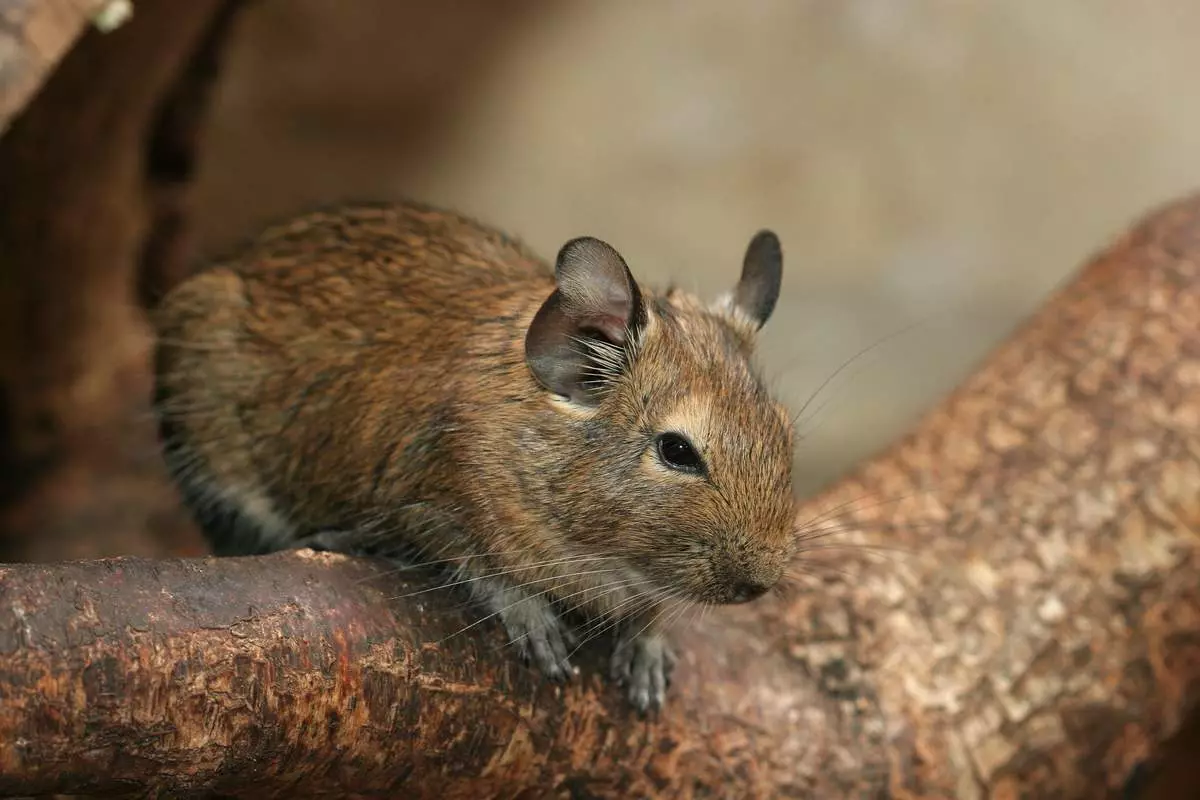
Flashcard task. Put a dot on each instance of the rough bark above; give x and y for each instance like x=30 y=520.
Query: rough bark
x=1038 y=634
x=93 y=179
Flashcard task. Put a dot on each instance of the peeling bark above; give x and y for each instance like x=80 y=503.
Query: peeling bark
x=1039 y=634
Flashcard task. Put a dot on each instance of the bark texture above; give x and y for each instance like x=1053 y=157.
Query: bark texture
x=1036 y=635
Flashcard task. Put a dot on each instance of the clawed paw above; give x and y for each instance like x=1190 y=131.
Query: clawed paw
x=643 y=665
x=541 y=639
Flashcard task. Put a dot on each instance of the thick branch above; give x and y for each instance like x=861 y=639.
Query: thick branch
x=1040 y=635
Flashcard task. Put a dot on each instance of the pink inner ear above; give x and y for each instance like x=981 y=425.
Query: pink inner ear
x=609 y=326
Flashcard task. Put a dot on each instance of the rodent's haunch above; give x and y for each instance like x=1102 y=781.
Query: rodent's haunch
x=402 y=380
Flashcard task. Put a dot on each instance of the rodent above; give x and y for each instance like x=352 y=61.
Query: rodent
x=387 y=377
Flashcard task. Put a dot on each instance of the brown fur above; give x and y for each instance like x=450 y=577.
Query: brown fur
x=364 y=370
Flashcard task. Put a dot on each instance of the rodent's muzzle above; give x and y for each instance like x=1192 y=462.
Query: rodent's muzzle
x=745 y=591
x=741 y=583
x=744 y=572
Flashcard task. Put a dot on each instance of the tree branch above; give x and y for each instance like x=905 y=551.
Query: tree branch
x=1039 y=635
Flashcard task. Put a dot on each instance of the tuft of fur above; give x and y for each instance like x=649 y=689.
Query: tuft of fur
x=358 y=379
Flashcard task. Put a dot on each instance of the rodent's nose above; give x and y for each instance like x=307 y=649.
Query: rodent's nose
x=745 y=591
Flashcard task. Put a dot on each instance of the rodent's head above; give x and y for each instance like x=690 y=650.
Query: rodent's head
x=685 y=455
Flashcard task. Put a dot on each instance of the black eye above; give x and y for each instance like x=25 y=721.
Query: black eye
x=678 y=453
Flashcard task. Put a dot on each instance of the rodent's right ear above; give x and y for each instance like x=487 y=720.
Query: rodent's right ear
x=762 y=272
x=575 y=345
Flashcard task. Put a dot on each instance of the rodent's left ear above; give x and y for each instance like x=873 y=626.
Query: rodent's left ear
x=762 y=273
x=575 y=343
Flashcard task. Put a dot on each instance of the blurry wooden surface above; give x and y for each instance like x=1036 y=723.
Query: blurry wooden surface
x=34 y=35
x=93 y=180
x=337 y=101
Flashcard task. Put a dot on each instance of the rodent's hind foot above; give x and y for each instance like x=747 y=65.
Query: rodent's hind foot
x=533 y=627
x=643 y=664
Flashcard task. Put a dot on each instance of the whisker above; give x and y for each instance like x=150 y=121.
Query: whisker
x=475 y=579
x=843 y=507
x=656 y=617
x=608 y=591
x=523 y=599
x=683 y=605
x=642 y=600
x=499 y=554
x=850 y=505
x=847 y=528
x=850 y=361
x=639 y=599
x=803 y=570
x=876 y=549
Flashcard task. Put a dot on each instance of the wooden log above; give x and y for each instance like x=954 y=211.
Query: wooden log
x=1038 y=637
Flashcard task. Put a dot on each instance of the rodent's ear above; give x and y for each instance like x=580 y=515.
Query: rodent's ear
x=762 y=273
x=575 y=344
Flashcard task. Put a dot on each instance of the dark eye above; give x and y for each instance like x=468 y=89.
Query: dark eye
x=678 y=453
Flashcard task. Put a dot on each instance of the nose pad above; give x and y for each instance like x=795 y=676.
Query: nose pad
x=745 y=591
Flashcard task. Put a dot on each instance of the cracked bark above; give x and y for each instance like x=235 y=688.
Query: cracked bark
x=1040 y=635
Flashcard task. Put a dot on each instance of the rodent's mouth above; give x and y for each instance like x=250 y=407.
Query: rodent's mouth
x=703 y=586
x=734 y=584
x=744 y=592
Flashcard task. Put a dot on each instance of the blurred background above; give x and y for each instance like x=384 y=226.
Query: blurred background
x=934 y=169
x=927 y=162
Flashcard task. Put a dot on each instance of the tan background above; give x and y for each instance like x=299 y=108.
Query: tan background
x=945 y=163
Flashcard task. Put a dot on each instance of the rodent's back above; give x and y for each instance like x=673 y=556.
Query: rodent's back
x=294 y=375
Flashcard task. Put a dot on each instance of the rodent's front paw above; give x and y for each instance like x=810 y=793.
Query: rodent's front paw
x=540 y=637
x=643 y=665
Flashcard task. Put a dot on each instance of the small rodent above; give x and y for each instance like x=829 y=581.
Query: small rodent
x=394 y=377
